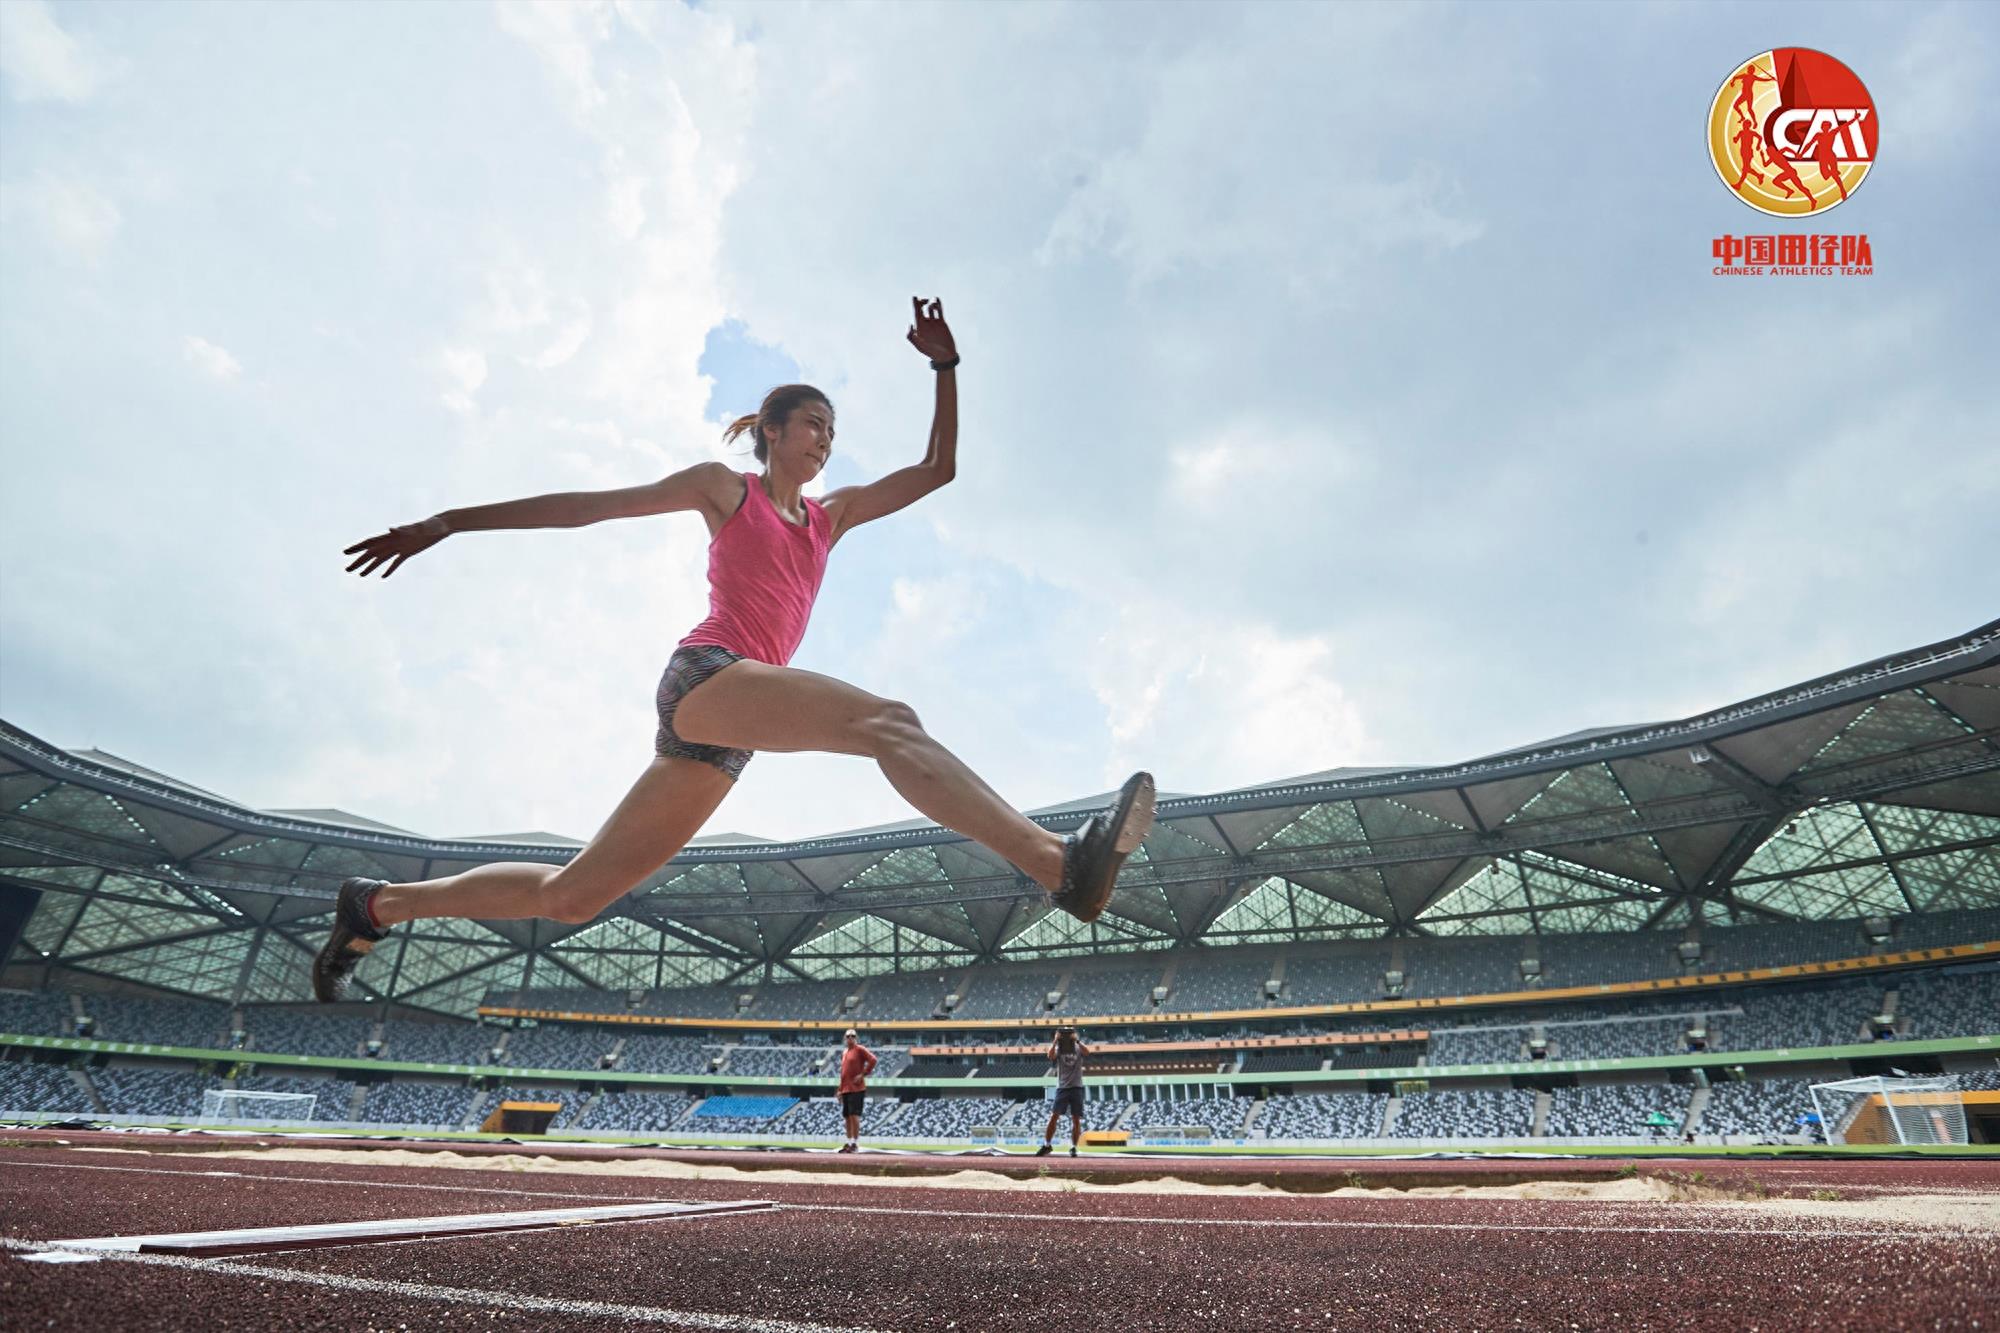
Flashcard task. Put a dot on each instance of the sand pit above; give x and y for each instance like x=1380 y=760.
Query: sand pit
x=1954 y=1211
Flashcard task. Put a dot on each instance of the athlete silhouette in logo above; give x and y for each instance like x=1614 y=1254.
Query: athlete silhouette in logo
x=1748 y=144
x=1746 y=84
x=1786 y=176
x=1820 y=149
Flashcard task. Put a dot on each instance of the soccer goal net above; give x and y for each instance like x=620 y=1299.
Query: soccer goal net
x=1891 y=1110
x=232 y=1106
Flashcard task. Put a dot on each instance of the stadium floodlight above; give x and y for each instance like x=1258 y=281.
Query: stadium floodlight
x=238 y=1106
x=1891 y=1110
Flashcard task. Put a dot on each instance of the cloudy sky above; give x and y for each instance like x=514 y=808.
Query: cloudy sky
x=1343 y=385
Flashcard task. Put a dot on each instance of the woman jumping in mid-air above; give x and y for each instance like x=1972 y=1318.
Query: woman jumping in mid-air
x=727 y=691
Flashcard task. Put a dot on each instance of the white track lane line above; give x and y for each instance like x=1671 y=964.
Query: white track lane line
x=483 y=1299
x=1919 y=1233
x=369 y=1231
x=362 y=1184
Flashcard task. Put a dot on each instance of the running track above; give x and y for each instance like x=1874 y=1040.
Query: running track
x=845 y=1256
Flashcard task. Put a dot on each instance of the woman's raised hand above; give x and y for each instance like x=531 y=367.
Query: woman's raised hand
x=395 y=546
x=930 y=334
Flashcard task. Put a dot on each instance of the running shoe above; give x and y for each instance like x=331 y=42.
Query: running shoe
x=1044 y=1150
x=352 y=936
x=1093 y=854
x=1072 y=1152
x=847 y=1147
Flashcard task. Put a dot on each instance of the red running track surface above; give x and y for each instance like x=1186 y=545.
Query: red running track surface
x=844 y=1256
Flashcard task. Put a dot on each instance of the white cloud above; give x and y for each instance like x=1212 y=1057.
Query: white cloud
x=42 y=62
x=209 y=359
x=1212 y=701
x=464 y=368
x=72 y=215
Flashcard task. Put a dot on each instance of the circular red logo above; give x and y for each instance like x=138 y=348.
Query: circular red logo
x=1792 y=132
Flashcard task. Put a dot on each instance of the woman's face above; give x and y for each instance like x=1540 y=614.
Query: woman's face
x=805 y=441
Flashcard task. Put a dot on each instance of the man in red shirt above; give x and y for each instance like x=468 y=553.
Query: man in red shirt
x=857 y=1062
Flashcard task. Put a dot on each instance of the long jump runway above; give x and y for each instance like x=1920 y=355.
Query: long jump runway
x=1905 y=1245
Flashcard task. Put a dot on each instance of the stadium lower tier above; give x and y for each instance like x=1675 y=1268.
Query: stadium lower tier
x=1902 y=1004
x=1721 y=1111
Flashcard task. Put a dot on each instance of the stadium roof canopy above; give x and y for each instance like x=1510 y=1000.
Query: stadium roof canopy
x=1875 y=790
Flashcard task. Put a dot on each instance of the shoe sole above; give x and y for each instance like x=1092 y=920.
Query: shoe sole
x=1133 y=818
x=1135 y=805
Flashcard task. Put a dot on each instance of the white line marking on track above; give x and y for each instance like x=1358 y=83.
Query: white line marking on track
x=360 y=1184
x=376 y=1230
x=485 y=1299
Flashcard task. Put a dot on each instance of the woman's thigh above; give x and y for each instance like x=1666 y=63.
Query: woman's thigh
x=755 y=706
x=665 y=808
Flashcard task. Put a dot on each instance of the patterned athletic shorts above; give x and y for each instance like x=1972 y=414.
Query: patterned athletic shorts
x=687 y=668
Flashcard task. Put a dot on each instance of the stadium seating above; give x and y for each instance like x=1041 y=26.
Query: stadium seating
x=648 y=1053
x=438 y=1043
x=737 y=1115
x=954 y=1117
x=1285 y=1059
x=916 y=995
x=1344 y=977
x=36 y=1013
x=776 y=1061
x=1825 y=1014
x=693 y=1002
x=332 y=1097
x=1606 y=958
x=302 y=1032
x=634 y=1112
x=1096 y=989
x=1322 y=1115
x=1007 y=993
x=1223 y=1115
x=159 y=1021
x=558 y=1046
x=1764 y=1108
x=1462 y=966
x=1465 y=1114
x=408 y=1102
x=1478 y=1046
x=1615 y=1110
x=169 y=1093
x=1214 y=980
x=804 y=999
x=26 y=1086
x=1954 y=1002
x=1617 y=1039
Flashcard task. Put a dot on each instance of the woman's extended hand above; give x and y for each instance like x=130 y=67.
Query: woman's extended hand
x=395 y=546
x=930 y=335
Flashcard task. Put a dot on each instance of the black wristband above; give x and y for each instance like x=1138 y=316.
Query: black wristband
x=944 y=365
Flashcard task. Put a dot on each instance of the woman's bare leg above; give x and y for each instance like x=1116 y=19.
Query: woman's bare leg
x=754 y=706
x=667 y=806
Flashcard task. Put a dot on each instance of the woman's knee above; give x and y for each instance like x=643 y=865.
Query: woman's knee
x=891 y=725
x=578 y=900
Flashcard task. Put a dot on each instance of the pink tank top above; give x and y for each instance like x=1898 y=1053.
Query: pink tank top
x=763 y=574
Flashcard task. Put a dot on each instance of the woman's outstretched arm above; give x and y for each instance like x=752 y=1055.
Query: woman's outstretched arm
x=705 y=486
x=851 y=506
